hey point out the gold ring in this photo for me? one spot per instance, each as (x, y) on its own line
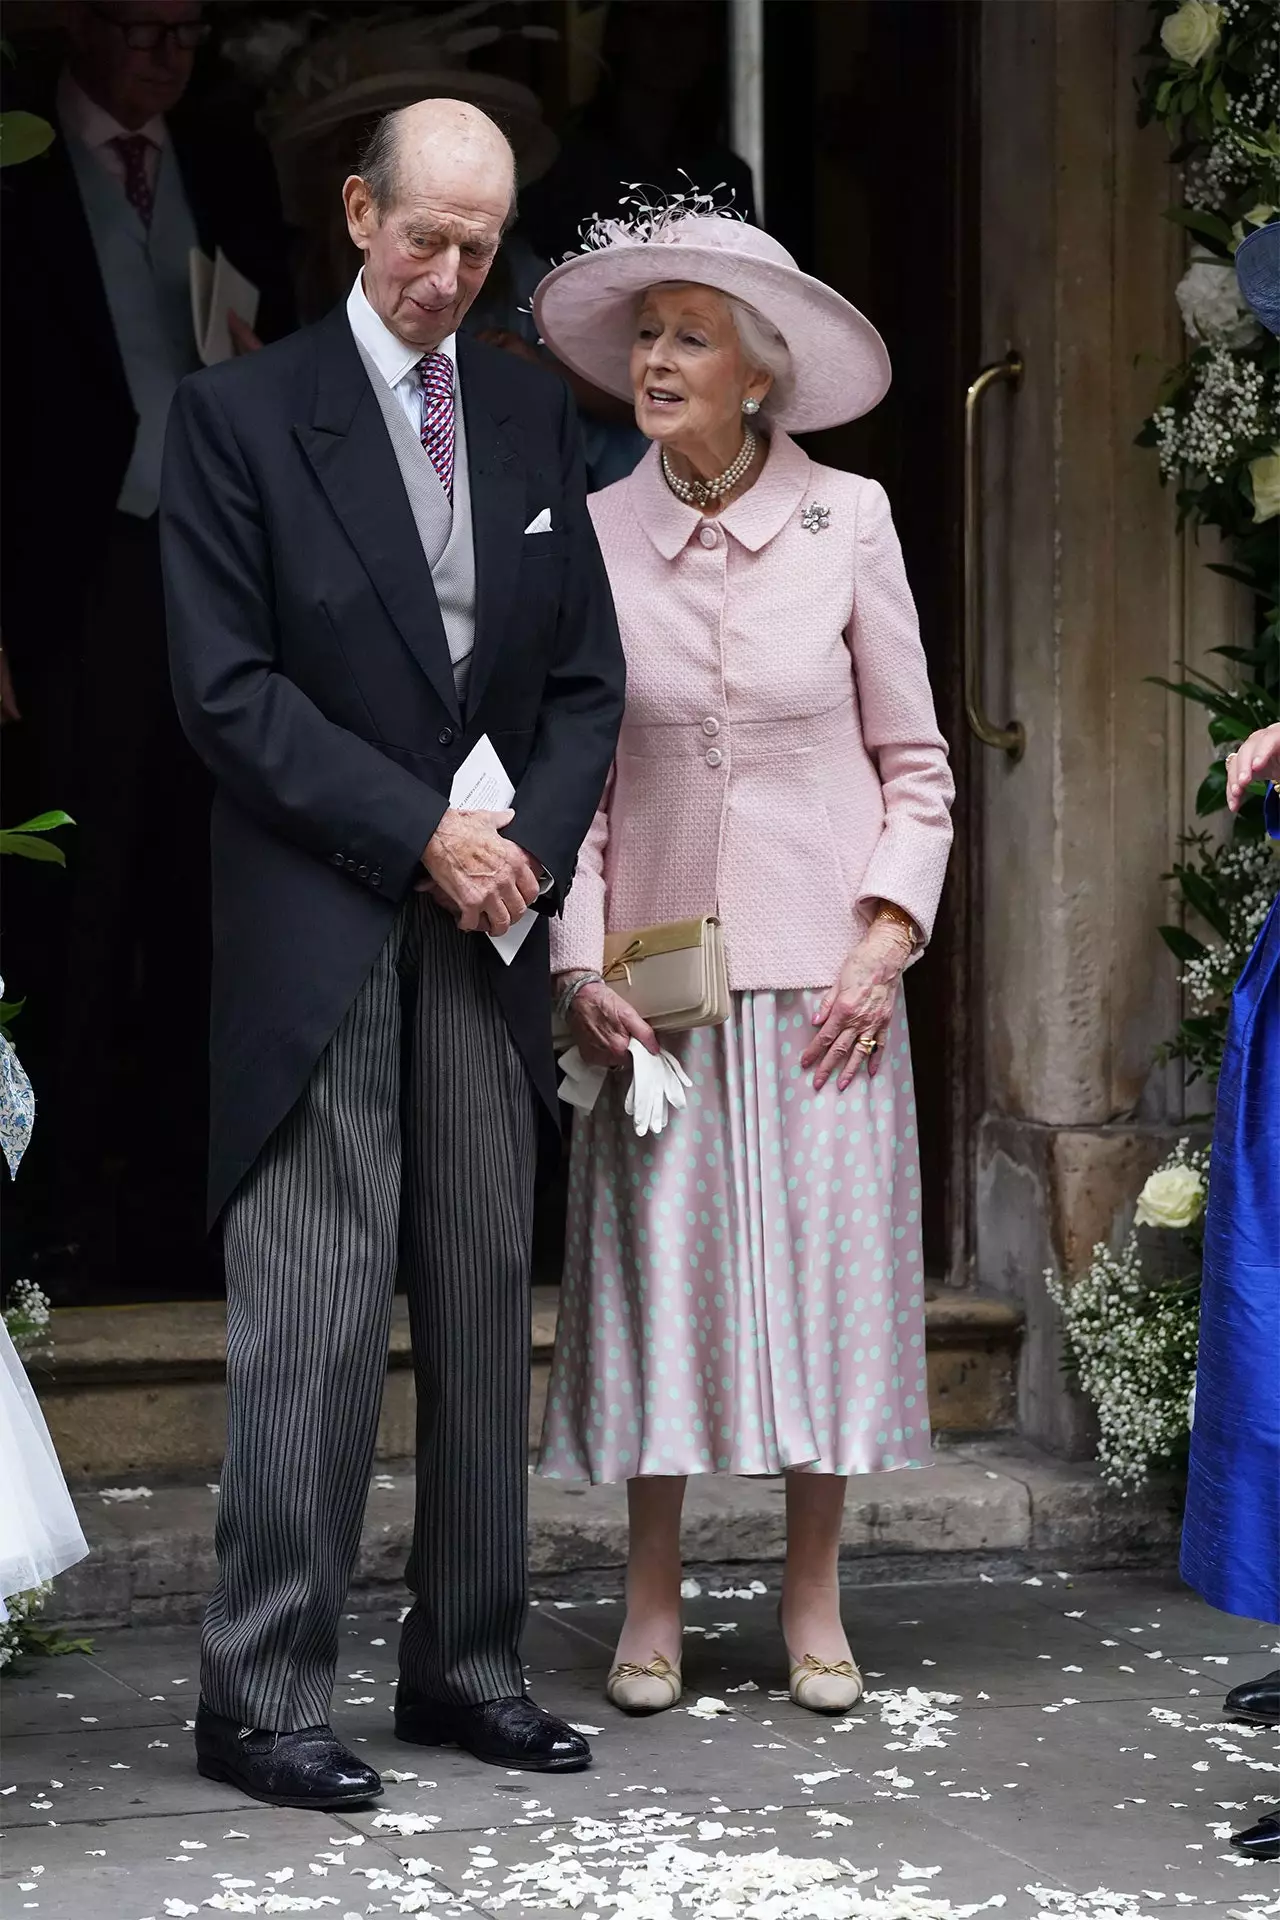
(867, 1043)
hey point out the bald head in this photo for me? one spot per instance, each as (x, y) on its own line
(440, 136)
(427, 209)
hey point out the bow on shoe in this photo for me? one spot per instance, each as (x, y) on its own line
(843, 1669)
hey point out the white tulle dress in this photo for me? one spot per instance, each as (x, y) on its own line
(39, 1531)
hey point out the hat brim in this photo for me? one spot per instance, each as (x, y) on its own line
(585, 311)
(1258, 271)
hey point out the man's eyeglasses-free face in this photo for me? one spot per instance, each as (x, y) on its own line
(145, 36)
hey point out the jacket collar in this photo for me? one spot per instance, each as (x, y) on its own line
(753, 519)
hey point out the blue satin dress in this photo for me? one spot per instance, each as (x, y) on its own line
(1231, 1532)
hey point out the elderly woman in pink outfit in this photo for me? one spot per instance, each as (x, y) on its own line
(743, 1293)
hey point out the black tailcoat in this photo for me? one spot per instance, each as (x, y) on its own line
(69, 422)
(313, 677)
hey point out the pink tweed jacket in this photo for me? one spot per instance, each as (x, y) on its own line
(780, 761)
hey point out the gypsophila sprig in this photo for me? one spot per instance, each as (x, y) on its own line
(26, 1317)
(1232, 889)
(20, 1608)
(22, 1633)
(1224, 414)
(1131, 1337)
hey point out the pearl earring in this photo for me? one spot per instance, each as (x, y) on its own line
(750, 406)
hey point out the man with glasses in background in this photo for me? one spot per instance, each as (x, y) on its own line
(98, 331)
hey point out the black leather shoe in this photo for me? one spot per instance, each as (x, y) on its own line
(506, 1733)
(1257, 1701)
(1261, 1842)
(310, 1768)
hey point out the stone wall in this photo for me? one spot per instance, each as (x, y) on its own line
(1090, 589)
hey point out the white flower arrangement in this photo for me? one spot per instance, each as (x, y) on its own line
(1172, 1197)
(1132, 1338)
(21, 1607)
(26, 1317)
(1264, 479)
(1220, 414)
(1192, 32)
(1212, 305)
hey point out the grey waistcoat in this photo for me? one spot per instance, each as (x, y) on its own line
(146, 275)
(445, 531)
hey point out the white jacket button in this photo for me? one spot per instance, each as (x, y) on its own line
(711, 726)
(714, 757)
(709, 537)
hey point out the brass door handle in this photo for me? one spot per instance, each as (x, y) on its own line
(1012, 739)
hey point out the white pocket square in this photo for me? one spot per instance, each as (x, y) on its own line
(542, 524)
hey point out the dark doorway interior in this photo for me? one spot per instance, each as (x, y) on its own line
(871, 183)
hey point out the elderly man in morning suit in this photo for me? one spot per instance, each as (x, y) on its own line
(377, 552)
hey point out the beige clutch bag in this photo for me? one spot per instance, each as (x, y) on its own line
(673, 974)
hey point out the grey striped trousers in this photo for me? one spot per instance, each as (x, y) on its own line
(411, 1148)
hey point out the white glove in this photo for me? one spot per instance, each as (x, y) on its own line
(657, 1089)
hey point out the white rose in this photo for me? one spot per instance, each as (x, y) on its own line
(1172, 1197)
(1192, 32)
(1265, 475)
(1212, 305)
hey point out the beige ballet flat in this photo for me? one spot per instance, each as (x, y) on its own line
(824, 1687)
(650, 1689)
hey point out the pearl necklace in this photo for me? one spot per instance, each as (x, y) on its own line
(701, 493)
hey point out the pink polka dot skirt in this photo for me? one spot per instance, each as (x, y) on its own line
(744, 1293)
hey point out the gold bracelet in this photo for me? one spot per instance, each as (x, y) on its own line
(897, 917)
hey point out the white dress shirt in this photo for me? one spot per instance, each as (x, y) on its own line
(397, 363)
(84, 120)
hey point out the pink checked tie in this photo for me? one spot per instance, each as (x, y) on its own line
(437, 415)
(133, 149)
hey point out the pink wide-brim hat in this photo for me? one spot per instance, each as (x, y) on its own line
(586, 311)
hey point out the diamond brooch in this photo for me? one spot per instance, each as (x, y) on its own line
(815, 519)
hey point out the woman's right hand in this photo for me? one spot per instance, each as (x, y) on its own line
(603, 1025)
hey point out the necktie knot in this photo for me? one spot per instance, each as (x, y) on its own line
(436, 370)
(134, 150)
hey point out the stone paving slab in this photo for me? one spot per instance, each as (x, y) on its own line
(1043, 1777)
(125, 1869)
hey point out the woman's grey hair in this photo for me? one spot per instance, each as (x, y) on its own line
(763, 345)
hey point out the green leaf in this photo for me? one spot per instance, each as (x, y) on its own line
(1211, 795)
(49, 1641)
(44, 823)
(1245, 578)
(1207, 225)
(27, 847)
(1245, 656)
(1181, 944)
(1205, 901)
(22, 137)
